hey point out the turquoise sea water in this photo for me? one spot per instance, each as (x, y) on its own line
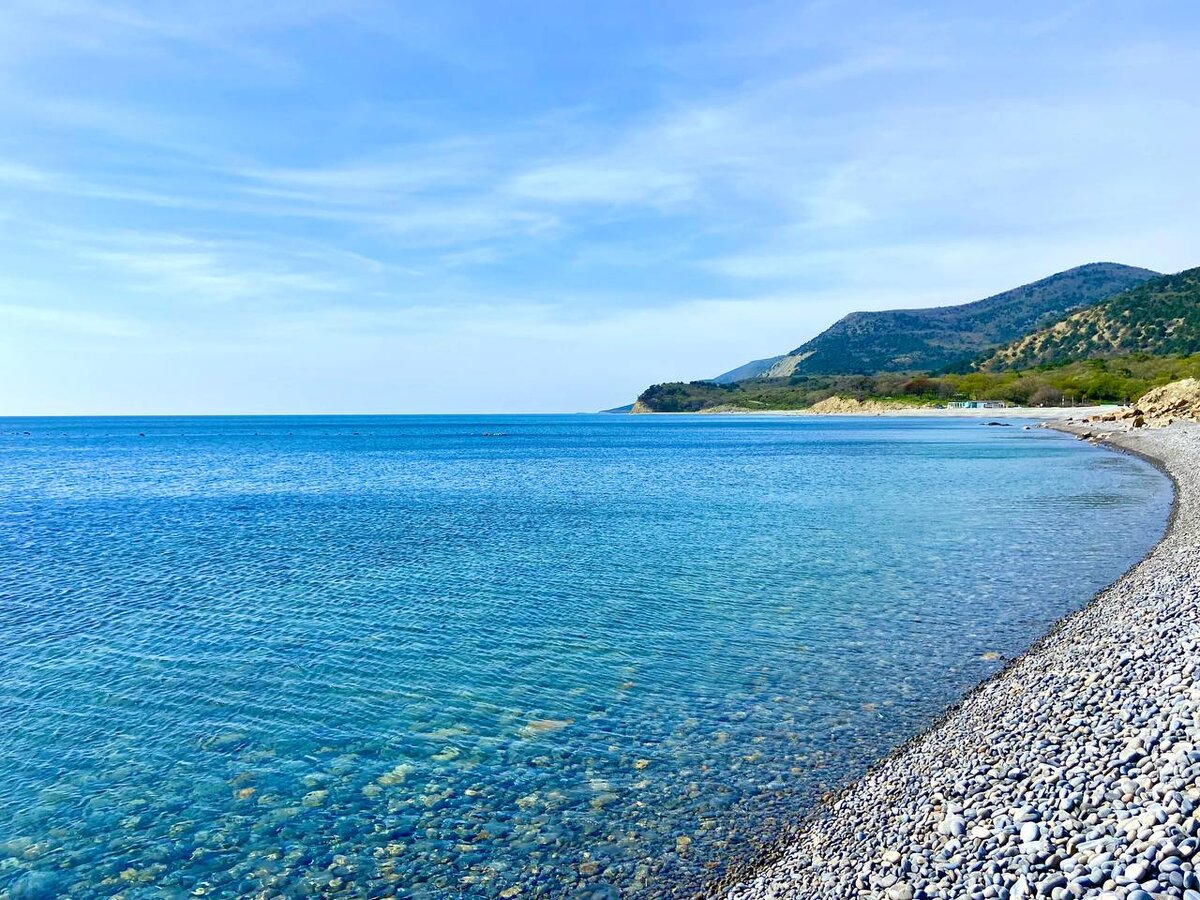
(577, 656)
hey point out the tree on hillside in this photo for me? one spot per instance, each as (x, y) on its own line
(1046, 396)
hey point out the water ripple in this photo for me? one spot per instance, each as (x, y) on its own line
(600, 657)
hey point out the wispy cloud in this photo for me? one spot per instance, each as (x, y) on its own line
(59, 320)
(612, 184)
(228, 30)
(21, 175)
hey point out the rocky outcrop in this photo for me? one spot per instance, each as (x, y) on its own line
(1178, 401)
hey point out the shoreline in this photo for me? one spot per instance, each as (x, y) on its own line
(1041, 413)
(1000, 797)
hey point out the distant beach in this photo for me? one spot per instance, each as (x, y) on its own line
(1047, 414)
(873, 408)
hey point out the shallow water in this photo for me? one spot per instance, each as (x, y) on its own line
(582, 656)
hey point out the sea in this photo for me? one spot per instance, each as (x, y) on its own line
(586, 656)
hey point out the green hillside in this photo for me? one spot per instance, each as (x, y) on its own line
(1116, 380)
(922, 340)
(1159, 317)
(753, 369)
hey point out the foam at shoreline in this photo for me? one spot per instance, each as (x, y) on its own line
(1075, 772)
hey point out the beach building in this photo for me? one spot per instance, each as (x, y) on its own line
(977, 404)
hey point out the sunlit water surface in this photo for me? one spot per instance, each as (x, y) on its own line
(576, 656)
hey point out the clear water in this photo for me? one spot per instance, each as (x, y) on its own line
(587, 657)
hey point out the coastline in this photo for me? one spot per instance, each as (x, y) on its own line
(1047, 413)
(1072, 772)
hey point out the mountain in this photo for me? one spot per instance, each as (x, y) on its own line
(922, 340)
(752, 369)
(1158, 317)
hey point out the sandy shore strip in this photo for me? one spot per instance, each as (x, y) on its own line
(1075, 772)
(1045, 414)
(1041, 413)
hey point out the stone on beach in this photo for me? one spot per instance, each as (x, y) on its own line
(1073, 774)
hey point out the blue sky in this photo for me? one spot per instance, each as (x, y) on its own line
(346, 206)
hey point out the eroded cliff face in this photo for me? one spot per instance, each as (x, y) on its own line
(851, 406)
(1178, 401)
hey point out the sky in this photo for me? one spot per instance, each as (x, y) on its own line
(349, 206)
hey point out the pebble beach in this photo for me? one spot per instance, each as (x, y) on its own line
(1075, 772)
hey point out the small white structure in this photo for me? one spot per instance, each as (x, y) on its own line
(977, 404)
